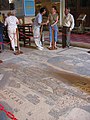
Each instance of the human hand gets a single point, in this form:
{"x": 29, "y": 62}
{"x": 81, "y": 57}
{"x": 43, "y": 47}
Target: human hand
{"x": 52, "y": 25}
{"x": 45, "y": 23}
{"x": 70, "y": 29}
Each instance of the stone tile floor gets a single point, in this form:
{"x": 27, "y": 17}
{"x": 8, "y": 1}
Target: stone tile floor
{"x": 46, "y": 85}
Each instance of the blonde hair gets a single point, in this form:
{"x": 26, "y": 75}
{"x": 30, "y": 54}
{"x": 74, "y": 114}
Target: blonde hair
{"x": 9, "y": 13}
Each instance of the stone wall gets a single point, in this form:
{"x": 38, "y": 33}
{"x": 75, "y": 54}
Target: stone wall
{"x": 4, "y": 4}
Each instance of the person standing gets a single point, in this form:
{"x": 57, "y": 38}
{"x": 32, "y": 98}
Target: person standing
{"x": 53, "y": 20}
{"x": 68, "y": 25}
{"x": 4, "y": 17}
{"x": 36, "y": 28}
{"x": 11, "y": 22}
{"x": 1, "y": 36}
{"x": 1, "y": 17}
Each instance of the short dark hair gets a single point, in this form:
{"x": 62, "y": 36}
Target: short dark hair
{"x": 54, "y": 7}
{"x": 42, "y": 9}
{"x": 68, "y": 8}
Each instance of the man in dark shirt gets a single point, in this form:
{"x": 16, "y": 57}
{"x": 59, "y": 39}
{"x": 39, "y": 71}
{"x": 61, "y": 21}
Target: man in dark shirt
{"x": 1, "y": 35}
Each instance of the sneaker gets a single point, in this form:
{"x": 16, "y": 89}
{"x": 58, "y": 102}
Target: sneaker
{"x": 20, "y": 52}
{"x": 68, "y": 46}
{"x": 40, "y": 48}
{"x": 16, "y": 53}
{"x": 56, "y": 48}
{"x": 50, "y": 46}
{"x": 63, "y": 46}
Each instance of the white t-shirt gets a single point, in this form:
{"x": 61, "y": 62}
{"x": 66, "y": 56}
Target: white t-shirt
{"x": 12, "y": 22}
{"x": 68, "y": 21}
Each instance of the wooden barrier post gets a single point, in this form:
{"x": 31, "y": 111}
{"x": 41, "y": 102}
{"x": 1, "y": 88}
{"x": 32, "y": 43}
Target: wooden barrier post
{"x": 41, "y": 31}
{"x": 18, "y": 44}
{"x": 53, "y": 42}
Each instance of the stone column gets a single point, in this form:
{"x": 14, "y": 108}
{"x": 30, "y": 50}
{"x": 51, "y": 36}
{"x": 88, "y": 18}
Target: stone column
{"x": 62, "y": 8}
{"x": 4, "y": 4}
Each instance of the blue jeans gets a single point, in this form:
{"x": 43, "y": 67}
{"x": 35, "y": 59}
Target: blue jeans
{"x": 1, "y": 42}
{"x": 55, "y": 28}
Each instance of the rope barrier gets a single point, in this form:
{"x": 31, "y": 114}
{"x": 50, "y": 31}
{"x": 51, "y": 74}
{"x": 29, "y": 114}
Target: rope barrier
{"x": 72, "y": 35}
{"x": 9, "y": 114}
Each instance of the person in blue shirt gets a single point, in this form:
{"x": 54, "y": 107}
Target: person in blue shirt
{"x": 36, "y": 28}
{"x": 1, "y": 36}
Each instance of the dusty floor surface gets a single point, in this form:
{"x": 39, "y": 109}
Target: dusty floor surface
{"x": 45, "y": 85}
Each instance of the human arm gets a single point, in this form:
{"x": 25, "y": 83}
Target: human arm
{"x": 44, "y": 23}
{"x": 39, "y": 20}
{"x": 72, "y": 23}
{"x": 17, "y": 21}
{"x": 47, "y": 20}
{"x": 5, "y": 23}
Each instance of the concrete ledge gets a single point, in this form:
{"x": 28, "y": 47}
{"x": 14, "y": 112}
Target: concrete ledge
{"x": 78, "y": 114}
{"x": 78, "y": 44}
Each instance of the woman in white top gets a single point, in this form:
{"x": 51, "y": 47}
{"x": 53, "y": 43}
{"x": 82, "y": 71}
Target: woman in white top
{"x": 11, "y": 21}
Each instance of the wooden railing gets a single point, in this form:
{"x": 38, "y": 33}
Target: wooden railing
{"x": 25, "y": 33}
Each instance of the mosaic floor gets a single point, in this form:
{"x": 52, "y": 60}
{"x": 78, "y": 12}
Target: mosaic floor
{"x": 45, "y": 85}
